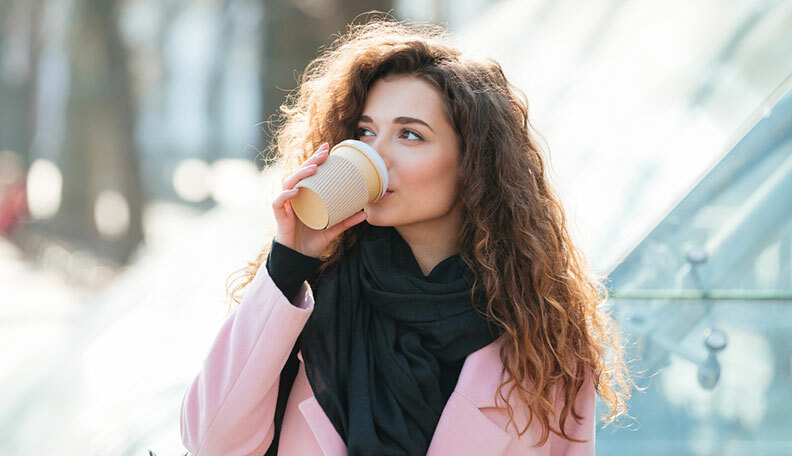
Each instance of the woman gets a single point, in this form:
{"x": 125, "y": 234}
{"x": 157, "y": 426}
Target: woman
{"x": 452, "y": 316}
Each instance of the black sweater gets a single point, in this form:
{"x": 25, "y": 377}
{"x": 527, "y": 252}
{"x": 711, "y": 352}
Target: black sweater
{"x": 290, "y": 268}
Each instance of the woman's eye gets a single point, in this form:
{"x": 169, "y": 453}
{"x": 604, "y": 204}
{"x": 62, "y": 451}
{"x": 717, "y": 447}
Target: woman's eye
{"x": 415, "y": 136}
{"x": 363, "y": 132}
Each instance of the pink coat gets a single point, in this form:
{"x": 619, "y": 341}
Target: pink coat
{"x": 229, "y": 407}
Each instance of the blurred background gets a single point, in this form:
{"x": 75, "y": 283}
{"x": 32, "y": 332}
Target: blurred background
{"x": 133, "y": 139}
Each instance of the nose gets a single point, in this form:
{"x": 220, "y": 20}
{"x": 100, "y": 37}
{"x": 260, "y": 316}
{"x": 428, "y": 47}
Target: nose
{"x": 383, "y": 149}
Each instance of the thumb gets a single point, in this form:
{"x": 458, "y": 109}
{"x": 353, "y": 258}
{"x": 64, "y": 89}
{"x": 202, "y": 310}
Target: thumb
{"x": 348, "y": 222}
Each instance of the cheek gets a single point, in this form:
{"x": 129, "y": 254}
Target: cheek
{"x": 432, "y": 181}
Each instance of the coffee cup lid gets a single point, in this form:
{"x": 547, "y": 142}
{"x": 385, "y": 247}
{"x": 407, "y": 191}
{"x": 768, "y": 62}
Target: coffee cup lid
{"x": 375, "y": 158}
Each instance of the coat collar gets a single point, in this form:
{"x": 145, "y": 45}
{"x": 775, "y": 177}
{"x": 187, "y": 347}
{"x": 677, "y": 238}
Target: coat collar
{"x": 481, "y": 374}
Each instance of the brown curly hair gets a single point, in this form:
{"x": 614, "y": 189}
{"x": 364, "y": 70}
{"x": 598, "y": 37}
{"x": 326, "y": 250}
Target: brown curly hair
{"x": 513, "y": 234}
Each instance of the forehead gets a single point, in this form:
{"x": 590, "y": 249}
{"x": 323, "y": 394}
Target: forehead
{"x": 396, "y": 96}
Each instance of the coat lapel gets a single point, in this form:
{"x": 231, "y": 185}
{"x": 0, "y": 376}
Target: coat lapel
{"x": 463, "y": 428}
{"x": 323, "y": 430}
{"x": 481, "y": 374}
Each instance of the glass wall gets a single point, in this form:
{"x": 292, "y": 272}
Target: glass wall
{"x": 705, "y": 304}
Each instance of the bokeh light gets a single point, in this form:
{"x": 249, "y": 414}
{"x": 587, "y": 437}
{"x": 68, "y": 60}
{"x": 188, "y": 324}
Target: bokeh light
{"x": 111, "y": 214}
{"x": 235, "y": 182}
{"x": 192, "y": 180}
{"x": 45, "y": 184}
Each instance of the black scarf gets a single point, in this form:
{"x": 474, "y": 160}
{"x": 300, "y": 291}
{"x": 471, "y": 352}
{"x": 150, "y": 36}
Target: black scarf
{"x": 384, "y": 345}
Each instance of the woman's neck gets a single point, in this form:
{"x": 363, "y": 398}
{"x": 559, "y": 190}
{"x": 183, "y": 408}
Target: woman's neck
{"x": 432, "y": 241}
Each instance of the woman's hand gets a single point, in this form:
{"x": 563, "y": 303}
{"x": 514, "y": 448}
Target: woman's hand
{"x": 293, "y": 233}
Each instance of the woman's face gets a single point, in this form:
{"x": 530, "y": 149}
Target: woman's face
{"x": 405, "y": 121}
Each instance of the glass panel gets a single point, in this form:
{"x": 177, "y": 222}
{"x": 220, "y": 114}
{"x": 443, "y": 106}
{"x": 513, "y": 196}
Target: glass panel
{"x": 718, "y": 265}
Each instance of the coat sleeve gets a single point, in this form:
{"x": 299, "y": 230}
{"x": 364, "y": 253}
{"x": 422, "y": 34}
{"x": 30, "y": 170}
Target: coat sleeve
{"x": 585, "y": 406}
{"x": 229, "y": 407}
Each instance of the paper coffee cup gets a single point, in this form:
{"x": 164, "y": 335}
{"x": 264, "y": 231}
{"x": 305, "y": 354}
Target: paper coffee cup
{"x": 353, "y": 175}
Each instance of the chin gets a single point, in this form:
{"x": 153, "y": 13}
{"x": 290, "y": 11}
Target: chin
{"x": 376, "y": 217}
{"x": 376, "y": 221}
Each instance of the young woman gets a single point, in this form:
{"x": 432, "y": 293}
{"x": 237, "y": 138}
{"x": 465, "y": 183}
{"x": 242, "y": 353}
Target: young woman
{"x": 453, "y": 316}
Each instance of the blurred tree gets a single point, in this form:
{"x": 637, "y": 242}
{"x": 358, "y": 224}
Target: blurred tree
{"x": 216, "y": 145}
{"x": 20, "y": 23}
{"x": 294, "y": 30}
{"x": 99, "y": 151}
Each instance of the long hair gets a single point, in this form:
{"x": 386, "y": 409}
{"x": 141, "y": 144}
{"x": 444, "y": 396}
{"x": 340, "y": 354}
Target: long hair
{"x": 513, "y": 234}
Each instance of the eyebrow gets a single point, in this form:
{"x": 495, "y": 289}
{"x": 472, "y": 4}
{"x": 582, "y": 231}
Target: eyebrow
{"x": 400, "y": 120}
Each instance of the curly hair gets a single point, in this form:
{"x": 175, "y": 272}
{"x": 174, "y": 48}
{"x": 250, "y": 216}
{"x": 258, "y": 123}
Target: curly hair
{"x": 513, "y": 234}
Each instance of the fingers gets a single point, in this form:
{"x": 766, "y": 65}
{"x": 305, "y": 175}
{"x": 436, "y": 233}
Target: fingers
{"x": 279, "y": 203}
{"x": 320, "y": 154}
{"x": 308, "y": 168}
{"x": 299, "y": 175}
